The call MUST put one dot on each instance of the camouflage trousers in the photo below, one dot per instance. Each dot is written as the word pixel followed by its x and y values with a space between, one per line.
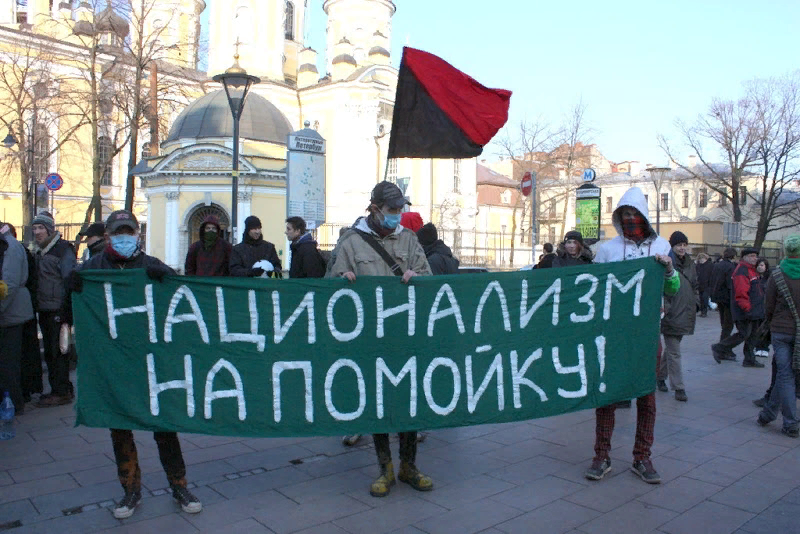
pixel 408 447
pixel 169 451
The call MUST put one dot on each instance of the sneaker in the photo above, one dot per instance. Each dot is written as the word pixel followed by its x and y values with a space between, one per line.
pixel 752 363
pixel 189 503
pixel 680 395
pixel 662 385
pixel 762 353
pixel 759 403
pixel 598 469
pixel 350 439
pixel 792 432
pixel 762 421
pixel 127 505
pixel 645 470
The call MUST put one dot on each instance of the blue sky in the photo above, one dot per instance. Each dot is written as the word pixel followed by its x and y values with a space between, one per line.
pixel 638 65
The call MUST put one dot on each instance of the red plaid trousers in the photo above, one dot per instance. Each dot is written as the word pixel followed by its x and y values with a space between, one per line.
pixel 645 425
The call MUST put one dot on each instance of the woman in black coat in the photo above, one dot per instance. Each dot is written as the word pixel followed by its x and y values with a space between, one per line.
pixel 572 251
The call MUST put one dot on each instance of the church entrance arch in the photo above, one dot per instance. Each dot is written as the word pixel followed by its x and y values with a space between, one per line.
pixel 199 214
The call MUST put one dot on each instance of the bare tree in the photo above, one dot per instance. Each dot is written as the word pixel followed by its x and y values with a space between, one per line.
pixel 36 107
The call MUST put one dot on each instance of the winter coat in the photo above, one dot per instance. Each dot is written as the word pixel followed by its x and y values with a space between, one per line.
pixel 246 253
pixel 16 308
pixel 704 271
pixel 547 261
pixel 776 310
pixel 680 310
pixel 54 263
pixel 353 254
pixel 747 295
pixel 565 260
pixel 440 258
pixel 721 285
pixel 139 260
pixel 213 262
pixel 621 248
pixel 306 260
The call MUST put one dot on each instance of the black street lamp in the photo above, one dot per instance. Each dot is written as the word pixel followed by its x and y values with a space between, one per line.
pixel 237 84
pixel 10 140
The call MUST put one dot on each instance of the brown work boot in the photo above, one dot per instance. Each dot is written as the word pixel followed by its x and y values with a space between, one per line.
pixel 383 484
pixel 414 477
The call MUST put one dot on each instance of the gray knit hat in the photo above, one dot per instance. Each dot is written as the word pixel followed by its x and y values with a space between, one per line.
pixel 46 220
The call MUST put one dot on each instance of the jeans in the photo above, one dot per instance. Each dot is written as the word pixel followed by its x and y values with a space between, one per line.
pixel 782 395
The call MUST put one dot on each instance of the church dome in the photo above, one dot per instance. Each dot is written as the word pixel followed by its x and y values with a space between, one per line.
pixel 109 21
pixel 210 116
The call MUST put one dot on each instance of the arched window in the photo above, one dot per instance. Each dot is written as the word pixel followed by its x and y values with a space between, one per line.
pixel 289 21
pixel 104 149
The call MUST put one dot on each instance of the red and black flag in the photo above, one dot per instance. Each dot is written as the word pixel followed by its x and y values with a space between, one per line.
pixel 440 112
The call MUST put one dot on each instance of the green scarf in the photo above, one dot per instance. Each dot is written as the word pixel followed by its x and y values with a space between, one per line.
pixel 209 240
pixel 791 267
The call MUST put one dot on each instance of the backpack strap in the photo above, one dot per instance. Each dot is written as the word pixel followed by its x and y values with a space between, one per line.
pixel 371 241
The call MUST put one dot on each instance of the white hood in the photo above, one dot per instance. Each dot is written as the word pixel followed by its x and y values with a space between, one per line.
pixel 634 198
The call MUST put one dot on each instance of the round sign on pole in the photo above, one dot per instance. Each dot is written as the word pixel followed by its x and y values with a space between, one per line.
pixel 54 182
pixel 527 184
pixel 589 175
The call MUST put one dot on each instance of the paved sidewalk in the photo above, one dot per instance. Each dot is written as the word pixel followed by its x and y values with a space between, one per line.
pixel 721 473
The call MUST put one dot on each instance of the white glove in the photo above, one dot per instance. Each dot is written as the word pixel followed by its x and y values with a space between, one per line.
pixel 264 264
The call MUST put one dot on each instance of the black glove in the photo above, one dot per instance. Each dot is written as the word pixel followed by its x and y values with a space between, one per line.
pixel 256 271
pixel 75 282
pixel 157 272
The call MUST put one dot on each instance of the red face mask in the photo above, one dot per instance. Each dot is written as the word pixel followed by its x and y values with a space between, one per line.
pixel 636 228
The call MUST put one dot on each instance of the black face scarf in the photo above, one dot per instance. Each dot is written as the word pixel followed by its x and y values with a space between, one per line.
pixel 97 247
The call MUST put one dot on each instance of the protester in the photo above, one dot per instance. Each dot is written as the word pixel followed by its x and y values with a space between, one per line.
pixel 783 287
pixel 679 318
pixel 15 310
pixel 762 268
pixel 123 252
pixel 636 239
pixel 546 259
pixel 55 261
pixel 254 250
pixel 439 255
pixel 572 251
pixel 747 309
pixel 211 254
pixel 704 268
pixel 721 290
pixel 31 364
pixel 355 256
pixel 411 220
pixel 306 261
pixel 94 240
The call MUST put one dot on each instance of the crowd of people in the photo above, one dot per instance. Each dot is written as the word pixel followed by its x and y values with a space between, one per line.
pixel 38 283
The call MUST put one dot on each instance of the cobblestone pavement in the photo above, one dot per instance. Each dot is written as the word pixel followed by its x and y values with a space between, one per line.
pixel 721 473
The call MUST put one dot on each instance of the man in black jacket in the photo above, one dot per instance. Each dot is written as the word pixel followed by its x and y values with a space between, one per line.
pixel 704 268
pixel 547 259
pixel 253 249
pixel 439 255
pixel 55 261
pixel 306 261
pixel 721 288
pixel 122 252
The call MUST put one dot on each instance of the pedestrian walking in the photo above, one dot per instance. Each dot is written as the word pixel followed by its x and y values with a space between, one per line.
pixel 306 261
pixel 747 309
pixel 255 256
pixel 679 318
pixel 384 248
pixel 15 310
pixel 55 261
pixel 781 311
pixel 439 255
pixel 123 252
pixel 211 254
pixel 636 239
pixel 704 268
pixel 761 348
pixel 722 288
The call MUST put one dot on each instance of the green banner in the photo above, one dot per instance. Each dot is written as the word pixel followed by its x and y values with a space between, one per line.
pixel 269 358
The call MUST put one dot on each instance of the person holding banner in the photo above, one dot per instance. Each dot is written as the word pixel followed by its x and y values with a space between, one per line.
pixel 636 239
pixel 122 252
pixel 377 245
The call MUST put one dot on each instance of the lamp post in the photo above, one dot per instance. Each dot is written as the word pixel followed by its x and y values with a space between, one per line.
pixel 237 84
pixel 657 177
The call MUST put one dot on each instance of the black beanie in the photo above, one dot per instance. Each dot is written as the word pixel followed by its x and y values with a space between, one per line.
pixel 729 253
pixel 251 222
pixel 427 235
pixel 574 235
pixel 677 238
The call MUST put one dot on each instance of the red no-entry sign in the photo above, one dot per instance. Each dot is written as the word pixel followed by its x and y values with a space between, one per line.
pixel 527 184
